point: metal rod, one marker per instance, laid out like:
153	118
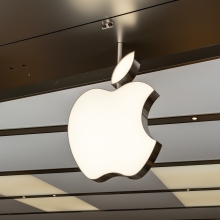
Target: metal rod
120	45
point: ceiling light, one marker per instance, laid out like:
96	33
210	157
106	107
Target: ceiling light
194	118
108	23
199	198
30	185
54	195
188	177
25	185
49	204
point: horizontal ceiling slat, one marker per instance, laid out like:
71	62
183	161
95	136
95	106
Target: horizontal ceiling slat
113	210
113	193
76	169
151	121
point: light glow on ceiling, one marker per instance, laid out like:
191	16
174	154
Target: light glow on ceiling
199	176
24	185
199	198
194	118
186	177
52	204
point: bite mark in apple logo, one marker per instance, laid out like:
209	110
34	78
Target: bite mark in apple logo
105	129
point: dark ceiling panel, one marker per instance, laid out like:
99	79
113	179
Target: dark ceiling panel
26	19
101	75
167	29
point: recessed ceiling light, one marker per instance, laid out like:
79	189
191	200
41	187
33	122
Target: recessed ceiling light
54	195
23	197
194	118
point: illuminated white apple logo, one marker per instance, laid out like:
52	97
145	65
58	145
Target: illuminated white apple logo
105	128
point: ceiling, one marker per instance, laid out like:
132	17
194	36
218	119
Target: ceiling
52	40
62	38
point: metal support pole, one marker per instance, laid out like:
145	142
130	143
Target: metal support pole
120	45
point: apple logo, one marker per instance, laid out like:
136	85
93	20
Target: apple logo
105	129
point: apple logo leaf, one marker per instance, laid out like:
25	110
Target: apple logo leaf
105	129
126	70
